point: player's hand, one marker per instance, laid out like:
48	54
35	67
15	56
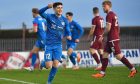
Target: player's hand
50	5
77	40
69	37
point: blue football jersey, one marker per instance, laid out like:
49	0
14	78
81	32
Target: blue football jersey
56	27
76	30
41	30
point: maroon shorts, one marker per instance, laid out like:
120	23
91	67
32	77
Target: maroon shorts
113	46
96	44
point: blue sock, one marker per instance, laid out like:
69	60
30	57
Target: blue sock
52	74
43	64
34	56
72	59
63	56
73	54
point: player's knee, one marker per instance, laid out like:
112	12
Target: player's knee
100	51
69	52
92	51
55	63
105	55
119	56
34	50
48	65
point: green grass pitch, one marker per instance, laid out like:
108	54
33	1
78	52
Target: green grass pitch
114	75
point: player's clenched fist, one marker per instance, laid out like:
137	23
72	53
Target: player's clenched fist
69	37
77	40
50	5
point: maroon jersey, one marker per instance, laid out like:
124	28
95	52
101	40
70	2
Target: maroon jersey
115	30
98	21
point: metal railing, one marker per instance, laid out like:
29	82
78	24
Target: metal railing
16	44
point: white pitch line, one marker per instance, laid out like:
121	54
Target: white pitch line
23	82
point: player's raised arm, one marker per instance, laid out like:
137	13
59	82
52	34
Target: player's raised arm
42	11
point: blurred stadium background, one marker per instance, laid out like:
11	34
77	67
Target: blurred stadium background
16	41
23	40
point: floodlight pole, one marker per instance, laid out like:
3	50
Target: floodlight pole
23	35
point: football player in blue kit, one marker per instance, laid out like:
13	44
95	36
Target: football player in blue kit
77	32
39	27
57	26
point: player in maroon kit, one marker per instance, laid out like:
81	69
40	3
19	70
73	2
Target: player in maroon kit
97	31
112	44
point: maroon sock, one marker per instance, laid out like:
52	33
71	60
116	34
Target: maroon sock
96	58
126	62
104	64
101	57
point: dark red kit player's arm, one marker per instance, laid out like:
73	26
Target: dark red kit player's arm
108	24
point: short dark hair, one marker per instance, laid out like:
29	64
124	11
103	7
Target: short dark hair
69	13
56	4
95	10
35	10
107	2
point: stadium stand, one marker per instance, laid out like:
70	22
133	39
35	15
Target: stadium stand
11	40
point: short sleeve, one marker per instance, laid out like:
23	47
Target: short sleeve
109	18
35	22
93	22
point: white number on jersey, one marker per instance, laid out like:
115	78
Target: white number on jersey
47	56
102	23
116	22
43	26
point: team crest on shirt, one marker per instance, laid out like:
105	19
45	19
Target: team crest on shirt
72	26
63	23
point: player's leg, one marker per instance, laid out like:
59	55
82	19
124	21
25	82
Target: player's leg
57	53
106	53
95	56
104	62
38	45
34	52
47	63
124	60
100	50
63	60
101	54
93	50
104	66
63	57
53	71
72	55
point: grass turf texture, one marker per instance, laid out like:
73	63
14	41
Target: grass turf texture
114	75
